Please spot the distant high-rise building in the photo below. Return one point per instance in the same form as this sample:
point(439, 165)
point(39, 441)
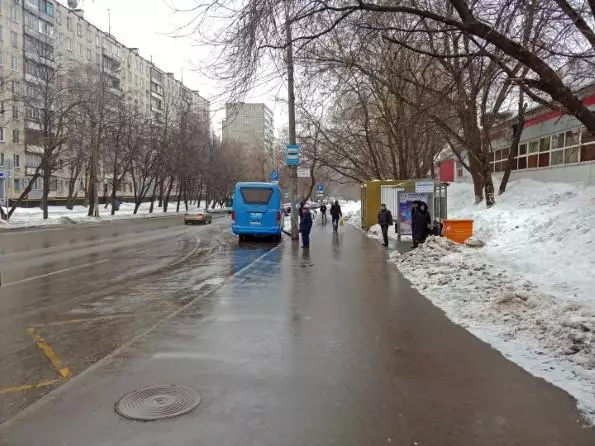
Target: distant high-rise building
point(250, 126)
point(43, 35)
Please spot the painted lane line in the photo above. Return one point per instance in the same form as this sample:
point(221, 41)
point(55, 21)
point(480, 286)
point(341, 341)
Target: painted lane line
point(39, 385)
point(49, 353)
point(55, 393)
point(54, 273)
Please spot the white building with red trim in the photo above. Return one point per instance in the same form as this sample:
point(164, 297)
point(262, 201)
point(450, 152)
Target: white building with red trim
point(553, 147)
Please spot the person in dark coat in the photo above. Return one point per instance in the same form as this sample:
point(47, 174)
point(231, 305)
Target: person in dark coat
point(336, 214)
point(385, 219)
point(420, 224)
point(323, 212)
point(306, 226)
point(300, 209)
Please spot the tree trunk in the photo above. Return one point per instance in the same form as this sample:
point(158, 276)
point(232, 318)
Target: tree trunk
point(46, 188)
point(179, 198)
point(151, 206)
point(160, 204)
point(168, 194)
point(185, 199)
point(113, 195)
point(517, 131)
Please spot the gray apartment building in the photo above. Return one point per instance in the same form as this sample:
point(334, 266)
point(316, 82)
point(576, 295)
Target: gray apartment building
point(62, 33)
point(250, 125)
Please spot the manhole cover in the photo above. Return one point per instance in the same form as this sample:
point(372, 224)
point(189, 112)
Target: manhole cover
point(158, 402)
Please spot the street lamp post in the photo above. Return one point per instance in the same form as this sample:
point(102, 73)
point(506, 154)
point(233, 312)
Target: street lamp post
point(293, 185)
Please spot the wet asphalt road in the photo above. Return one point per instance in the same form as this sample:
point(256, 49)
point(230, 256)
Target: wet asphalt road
point(71, 296)
point(330, 347)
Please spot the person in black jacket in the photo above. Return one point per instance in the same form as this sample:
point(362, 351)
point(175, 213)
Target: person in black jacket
point(420, 224)
point(336, 214)
point(306, 226)
point(385, 219)
point(323, 212)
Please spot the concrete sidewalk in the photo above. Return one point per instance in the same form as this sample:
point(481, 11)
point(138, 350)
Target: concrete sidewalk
point(319, 348)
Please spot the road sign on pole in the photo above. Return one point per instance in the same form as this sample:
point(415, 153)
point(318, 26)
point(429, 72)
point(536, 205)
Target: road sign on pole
point(303, 172)
point(292, 155)
point(320, 189)
point(275, 175)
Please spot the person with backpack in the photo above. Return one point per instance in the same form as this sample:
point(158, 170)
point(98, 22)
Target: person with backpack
point(336, 215)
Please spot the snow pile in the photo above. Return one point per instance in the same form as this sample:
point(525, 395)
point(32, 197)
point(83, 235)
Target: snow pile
point(352, 212)
point(528, 292)
point(24, 217)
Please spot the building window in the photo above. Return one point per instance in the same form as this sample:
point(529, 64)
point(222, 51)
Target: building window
point(15, 63)
point(97, 41)
point(14, 11)
point(59, 17)
point(79, 30)
point(89, 54)
point(49, 9)
point(69, 43)
point(98, 59)
point(17, 185)
point(1, 32)
point(16, 160)
point(2, 134)
point(15, 111)
point(69, 23)
point(80, 49)
point(14, 39)
point(1, 158)
point(13, 86)
point(16, 137)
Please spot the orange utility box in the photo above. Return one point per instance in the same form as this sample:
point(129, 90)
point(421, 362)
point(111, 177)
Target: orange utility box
point(458, 230)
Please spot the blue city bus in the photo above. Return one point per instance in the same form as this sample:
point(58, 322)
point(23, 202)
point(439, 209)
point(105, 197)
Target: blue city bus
point(257, 211)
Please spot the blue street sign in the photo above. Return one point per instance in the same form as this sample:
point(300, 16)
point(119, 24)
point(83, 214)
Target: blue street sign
point(320, 188)
point(292, 155)
point(1, 174)
point(275, 175)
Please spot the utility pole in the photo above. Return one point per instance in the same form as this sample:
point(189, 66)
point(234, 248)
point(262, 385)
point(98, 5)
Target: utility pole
point(293, 184)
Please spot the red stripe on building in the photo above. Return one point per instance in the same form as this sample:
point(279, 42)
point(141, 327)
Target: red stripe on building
point(590, 100)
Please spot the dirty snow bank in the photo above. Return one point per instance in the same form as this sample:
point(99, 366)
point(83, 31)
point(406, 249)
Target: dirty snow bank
point(529, 291)
point(24, 217)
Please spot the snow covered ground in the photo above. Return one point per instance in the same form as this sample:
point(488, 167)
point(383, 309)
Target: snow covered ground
point(24, 217)
point(530, 291)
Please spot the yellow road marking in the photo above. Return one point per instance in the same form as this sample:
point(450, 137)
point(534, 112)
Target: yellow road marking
point(49, 353)
point(153, 296)
point(39, 385)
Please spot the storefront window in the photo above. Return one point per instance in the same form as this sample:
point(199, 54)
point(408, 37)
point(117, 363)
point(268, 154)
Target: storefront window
point(558, 141)
point(557, 157)
point(544, 144)
point(534, 146)
point(571, 155)
point(571, 138)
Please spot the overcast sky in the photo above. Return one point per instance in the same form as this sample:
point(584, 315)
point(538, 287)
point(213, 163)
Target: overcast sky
point(148, 25)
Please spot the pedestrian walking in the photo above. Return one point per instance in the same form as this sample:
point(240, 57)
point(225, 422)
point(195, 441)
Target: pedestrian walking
point(420, 223)
point(301, 208)
point(323, 213)
point(306, 226)
point(385, 219)
point(336, 215)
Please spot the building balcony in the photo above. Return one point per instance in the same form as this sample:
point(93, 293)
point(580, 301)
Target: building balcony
point(50, 40)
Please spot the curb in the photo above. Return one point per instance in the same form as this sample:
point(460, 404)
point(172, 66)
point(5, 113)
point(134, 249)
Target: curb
point(7, 228)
